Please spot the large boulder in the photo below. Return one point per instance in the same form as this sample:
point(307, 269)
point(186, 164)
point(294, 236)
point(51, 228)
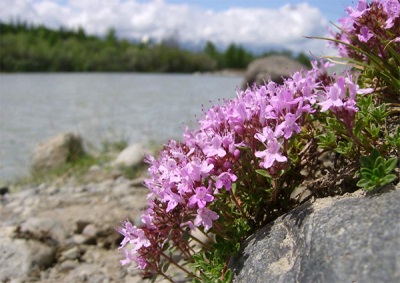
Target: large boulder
point(20, 257)
point(132, 156)
point(57, 151)
point(350, 239)
point(274, 67)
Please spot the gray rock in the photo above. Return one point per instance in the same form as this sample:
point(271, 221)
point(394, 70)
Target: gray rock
point(44, 228)
point(131, 156)
point(91, 232)
point(65, 232)
point(68, 265)
point(71, 254)
point(18, 257)
point(4, 190)
point(330, 240)
point(57, 151)
point(86, 272)
point(273, 67)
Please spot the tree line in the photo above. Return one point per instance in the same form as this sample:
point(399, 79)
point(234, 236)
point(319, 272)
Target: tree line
point(36, 48)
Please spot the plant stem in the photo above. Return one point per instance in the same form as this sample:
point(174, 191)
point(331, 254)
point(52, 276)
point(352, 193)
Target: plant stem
point(275, 190)
point(197, 239)
point(171, 260)
point(225, 267)
point(166, 276)
point(238, 205)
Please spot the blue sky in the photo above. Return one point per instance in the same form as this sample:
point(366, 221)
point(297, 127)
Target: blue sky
point(258, 25)
point(332, 9)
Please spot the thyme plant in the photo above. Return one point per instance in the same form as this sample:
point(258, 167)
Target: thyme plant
point(238, 169)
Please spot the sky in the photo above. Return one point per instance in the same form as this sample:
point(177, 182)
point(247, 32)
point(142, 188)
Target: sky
point(257, 25)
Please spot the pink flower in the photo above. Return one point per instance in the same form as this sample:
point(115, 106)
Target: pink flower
point(135, 237)
point(205, 217)
point(359, 10)
point(198, 169)
point(132, 256)
point(173, 200)
point(368, 27)
point(225, 180)
point(271, 154)
point(392, 8)
point(334, 97)
point(365, 34)
point(129, 257)
point(214, 148)
point(128, 232)
point(147, 219)
point(141, 240)
point(287, 127)
point(267, 134)
point(201, 197)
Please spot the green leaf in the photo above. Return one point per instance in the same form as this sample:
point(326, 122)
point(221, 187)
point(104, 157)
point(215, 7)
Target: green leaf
point(388, 179)
point(366, 162)
point(366, 171)
point(379, 171)
point(373, 130)
point(379, 161)
point(234, 186)
point(344, 148)
point(264, 173)
point(228, 276)
point(364, 183)
point(367, 175)
point(374, 154)
point(390, 164)
point(165, 266)
point(358, 127)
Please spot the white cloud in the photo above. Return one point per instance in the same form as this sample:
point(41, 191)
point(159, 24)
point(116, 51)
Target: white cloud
point(256, 28)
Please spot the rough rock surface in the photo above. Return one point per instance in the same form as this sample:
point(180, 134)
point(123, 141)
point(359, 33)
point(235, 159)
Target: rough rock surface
point(273, 67)
point(57, 151)
point(66, 233)
point(131, 156)
point(354, 238)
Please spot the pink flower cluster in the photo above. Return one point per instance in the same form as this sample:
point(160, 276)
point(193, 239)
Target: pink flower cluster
point(370, 27)
point(340, 98)
point(254, 128)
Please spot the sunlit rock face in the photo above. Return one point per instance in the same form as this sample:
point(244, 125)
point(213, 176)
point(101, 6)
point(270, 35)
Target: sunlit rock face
point(274, 67)
point(355, 238)
point(57, 151)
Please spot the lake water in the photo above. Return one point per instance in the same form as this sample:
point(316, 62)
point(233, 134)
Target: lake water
point(137, 107)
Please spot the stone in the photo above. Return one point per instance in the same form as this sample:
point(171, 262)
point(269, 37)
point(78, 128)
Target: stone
point(273, 67)
point(86, 272)
point(90, 230)
point(4, 190)
point(71, 254)
point(44, 228)
point(66, 232)
point(57, 151)
point(68, 265)
point(343, 239)
point(18, 257)
point(81, 239)
point(131, 156)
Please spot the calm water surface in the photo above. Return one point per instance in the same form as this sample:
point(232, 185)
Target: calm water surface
point(138, 107)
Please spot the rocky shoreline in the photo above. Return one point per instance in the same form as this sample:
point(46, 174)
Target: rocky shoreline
point(64, 230)
point(53, 233)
